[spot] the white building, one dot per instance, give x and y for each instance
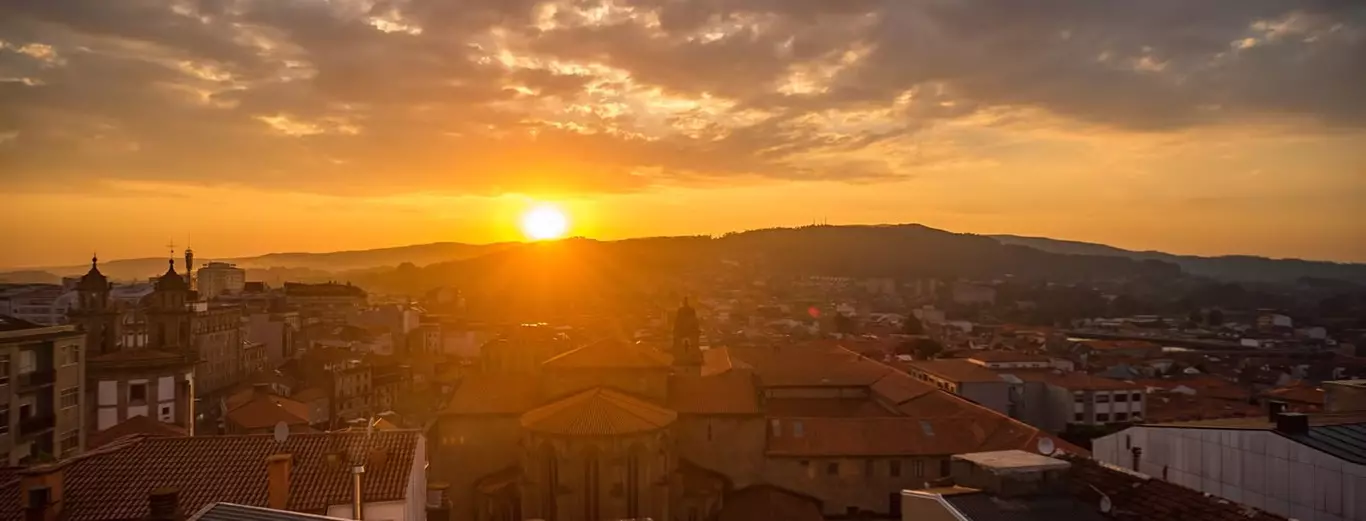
(219, 278)
(1310, 468)
(42, 304)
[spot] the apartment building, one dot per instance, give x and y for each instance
(42, 375)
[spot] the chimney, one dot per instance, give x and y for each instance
(1274, 409)
(163, 504)
(1292, 423)
(278, 467)
(1010, 473)
(41, 489)
(438, 506)
(1138, 456)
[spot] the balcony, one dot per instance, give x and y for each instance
(35, 379)
(36, 424)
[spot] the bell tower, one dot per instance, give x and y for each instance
(687, 334)
(168, 312)
(94, 312)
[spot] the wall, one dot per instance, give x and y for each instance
(852, 485)
(377, 511)
(992, 395)
(469, 448)
(1258, 468)
(732, 445)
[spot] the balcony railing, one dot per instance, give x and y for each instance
(37, 378)
(36, 424)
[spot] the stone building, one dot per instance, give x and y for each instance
(41, 391)
(614, 430)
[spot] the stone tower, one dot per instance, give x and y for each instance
(687, 334)
(168, 313)
(95, 313)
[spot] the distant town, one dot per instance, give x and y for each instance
(741, 390)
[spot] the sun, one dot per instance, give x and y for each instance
(544, 222)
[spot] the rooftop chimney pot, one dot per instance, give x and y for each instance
(278, 467)
(1292, 423)
(163, 504)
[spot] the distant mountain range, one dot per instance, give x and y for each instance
(1245, 268)
(874, 251)
(300, 266)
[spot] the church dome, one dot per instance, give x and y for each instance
(172, 281)
(93, 280)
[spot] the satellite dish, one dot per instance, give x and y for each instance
(1046, 446)
(1105, 504)
(281, 431)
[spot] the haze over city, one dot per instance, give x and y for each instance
(1229, 127)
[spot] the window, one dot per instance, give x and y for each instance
(894, 468)
(918, 468)
(70, 443)
(1121, 397)
(70, 397)
(1102, 417)
(4, 369)
(777, 427)
(71, 355)
(832, 468)
(1120, 416)
(4, 419)
(708, 431)
(137, 393)
(1079, 398)
(944, 467)
(797, 429)
(1080, 417)
(1138, 397)
(28, 362)
(868, 468)
(1102, 398)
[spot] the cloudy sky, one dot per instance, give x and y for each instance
(249, 126)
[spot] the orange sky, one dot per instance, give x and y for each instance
(293, 125)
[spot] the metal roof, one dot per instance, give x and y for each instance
(235, 512)
(1345, 441)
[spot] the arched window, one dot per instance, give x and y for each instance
(633, 481)
(550, 482)
(591, 496)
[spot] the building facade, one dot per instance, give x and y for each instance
(41, 392)
(220, 278)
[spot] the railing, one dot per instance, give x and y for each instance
(36, 424)
(37, 378)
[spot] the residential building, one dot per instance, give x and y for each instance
(42, 304)
(328, 302)
(278, 330)
(217, 339)
(220, 278)
(253, 358)
(316, 473)
(1018, 486)
(42, 388)
(1306, 467)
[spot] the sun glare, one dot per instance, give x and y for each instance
(544, 223)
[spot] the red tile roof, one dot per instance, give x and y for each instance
(1300, 394)
(897, 387)
(827, 408)
(1003, 356)
(610, 354)
(264, 411)
(1163, 407)
(732, 392)
(903, 436)
(598, 412)
(143, 425)
(817, 365)
(112, 483)
(1079, 381)
(494, 394)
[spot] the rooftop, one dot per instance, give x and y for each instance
(1342, 435)
(113, 482)
(235, 512)
(610, 354)
(731, 392)
(143, 425)
(598, 412)
(956, 370)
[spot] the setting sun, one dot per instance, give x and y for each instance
(544, 223)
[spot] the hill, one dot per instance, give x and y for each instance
(1242, 268)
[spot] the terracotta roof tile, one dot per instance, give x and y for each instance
(815, 365)
(112, 483)
(264, 411)
(1003, 356)
(1163, 407)
(827, 408)
(902, 436)
(732, 392)
(897, 387)
(494, 394)
(598, 412)
(610, 353)
(1300, 394)
(716, 361)
(143, 425)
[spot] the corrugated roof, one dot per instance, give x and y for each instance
(1346, 441)
(113, 483)
(235, 512)
(598, 412)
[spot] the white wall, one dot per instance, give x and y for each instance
(1259, 468)
(377, 511)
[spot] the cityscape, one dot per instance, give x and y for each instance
(682, 260)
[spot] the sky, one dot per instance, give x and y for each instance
(252, 126)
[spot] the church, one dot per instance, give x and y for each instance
(613, 430)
